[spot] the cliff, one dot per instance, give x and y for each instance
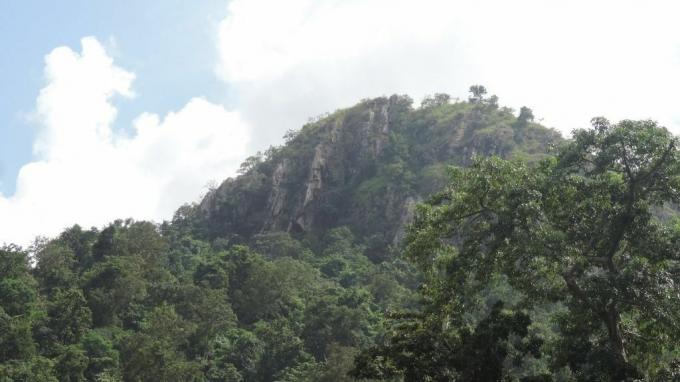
(365, 167)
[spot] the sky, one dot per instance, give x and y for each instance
(116, 109)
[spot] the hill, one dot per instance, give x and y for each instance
(283, 273)
(365, 168)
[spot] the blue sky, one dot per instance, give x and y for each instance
(152, 38)
(116, 109)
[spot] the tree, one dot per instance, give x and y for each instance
(282, 348)
(250, 163)
(579, 230)
(422, 347)
(112, 287)
(55, 266)
(35, 369)
(102, 357)
(235, 356)
(18, 293)
(525, 115)
(435, 100)
(154, 353)
(71, 364)
(69, 316)
(477, 93)
(343, 318)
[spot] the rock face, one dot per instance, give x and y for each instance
(365, 167)
(314, 187)
(408, 212)
(277, 197)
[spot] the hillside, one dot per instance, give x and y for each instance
(365, 168)
(283, 273)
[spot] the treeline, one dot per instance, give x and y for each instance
(141, 302)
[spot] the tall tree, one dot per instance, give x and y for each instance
(477, 93)
(579, 230)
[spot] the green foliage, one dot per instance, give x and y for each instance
(345, 318)
(56, 266)
(423, 347)
(16, 342)
(575, 230)
(236, 355)
(69, 316)
(154, 353)
(113, 287)
(33, 369)
(477, 93)
(71, 364)
(135, 303)
(103, 359)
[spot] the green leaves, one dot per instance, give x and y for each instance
(576, 230)
(69, 316)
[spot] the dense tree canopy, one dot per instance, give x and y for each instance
(576, 236)
(140, 302)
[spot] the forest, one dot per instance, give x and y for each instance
(455, 240)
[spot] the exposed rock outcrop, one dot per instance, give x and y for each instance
(365, 167)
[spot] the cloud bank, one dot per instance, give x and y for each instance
(568, 61)
(285, 61)
(86, 172)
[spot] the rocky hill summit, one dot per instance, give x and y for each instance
(365, 167)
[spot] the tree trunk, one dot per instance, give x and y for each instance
(624, 370)
(611, 317)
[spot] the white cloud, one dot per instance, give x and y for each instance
(87, 173)
(296, 59)
(286, 61)
(568, 61)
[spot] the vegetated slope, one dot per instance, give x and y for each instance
(365, 167)
(269, 277)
